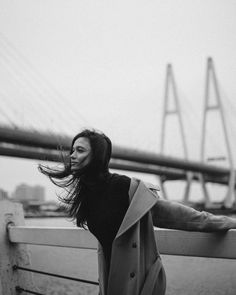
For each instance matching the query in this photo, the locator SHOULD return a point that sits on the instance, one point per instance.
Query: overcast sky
(65, 65)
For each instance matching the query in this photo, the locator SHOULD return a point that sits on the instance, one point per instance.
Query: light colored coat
(136, 267)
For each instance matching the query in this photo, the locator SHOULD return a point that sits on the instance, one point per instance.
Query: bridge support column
(230, 198)
(12, 254)
(217, 106)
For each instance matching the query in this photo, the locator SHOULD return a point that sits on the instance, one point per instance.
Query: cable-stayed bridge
(40, 135)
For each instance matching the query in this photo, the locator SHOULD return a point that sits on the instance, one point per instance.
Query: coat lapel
(143, 200)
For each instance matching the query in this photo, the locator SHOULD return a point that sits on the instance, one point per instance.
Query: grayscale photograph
(118, 147)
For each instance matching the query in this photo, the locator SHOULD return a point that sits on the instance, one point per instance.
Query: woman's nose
(72, 155)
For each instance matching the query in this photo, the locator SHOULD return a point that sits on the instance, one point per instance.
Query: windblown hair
(76, 184)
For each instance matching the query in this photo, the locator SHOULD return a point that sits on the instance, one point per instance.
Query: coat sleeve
(173, 215)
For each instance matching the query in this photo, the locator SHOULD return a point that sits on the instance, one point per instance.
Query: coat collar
(143, 199)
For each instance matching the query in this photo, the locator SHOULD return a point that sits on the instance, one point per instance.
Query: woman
(121, 212)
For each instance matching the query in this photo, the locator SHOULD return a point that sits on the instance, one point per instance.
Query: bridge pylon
(168, 111)
(217, 106)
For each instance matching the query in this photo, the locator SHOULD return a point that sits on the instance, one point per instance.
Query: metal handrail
(16, 267)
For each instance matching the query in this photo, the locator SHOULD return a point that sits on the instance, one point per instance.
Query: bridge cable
(5, 114)
(16, 81)
(36, 73)
(193, 118)
(20, 81)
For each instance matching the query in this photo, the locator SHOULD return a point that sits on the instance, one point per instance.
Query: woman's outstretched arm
(173, 215)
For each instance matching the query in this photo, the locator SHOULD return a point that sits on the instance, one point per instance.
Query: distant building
(38, 193)
(3, 195)
(25, 193)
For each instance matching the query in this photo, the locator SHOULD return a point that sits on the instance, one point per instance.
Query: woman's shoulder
(120, 179)
(153, 187)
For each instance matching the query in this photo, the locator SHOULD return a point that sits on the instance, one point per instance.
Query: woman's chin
(74, 170)
(78, 171)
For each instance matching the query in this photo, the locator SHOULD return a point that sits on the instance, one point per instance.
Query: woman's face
(81, 154)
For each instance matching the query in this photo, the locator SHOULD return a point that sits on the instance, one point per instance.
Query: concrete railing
(14, 236)
(170, 242)
(12, 253)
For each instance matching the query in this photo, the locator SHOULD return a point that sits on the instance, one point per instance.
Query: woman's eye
(80, 150)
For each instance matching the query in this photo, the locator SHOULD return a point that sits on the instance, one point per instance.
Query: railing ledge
(170, 242)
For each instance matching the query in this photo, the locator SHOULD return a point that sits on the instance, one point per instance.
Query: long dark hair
(78, 185)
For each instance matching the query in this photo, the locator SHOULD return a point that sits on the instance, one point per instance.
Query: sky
(66, 65)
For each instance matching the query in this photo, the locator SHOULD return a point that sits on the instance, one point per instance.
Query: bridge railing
(14, 236)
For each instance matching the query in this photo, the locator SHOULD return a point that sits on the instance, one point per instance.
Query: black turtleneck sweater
(106, 209)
